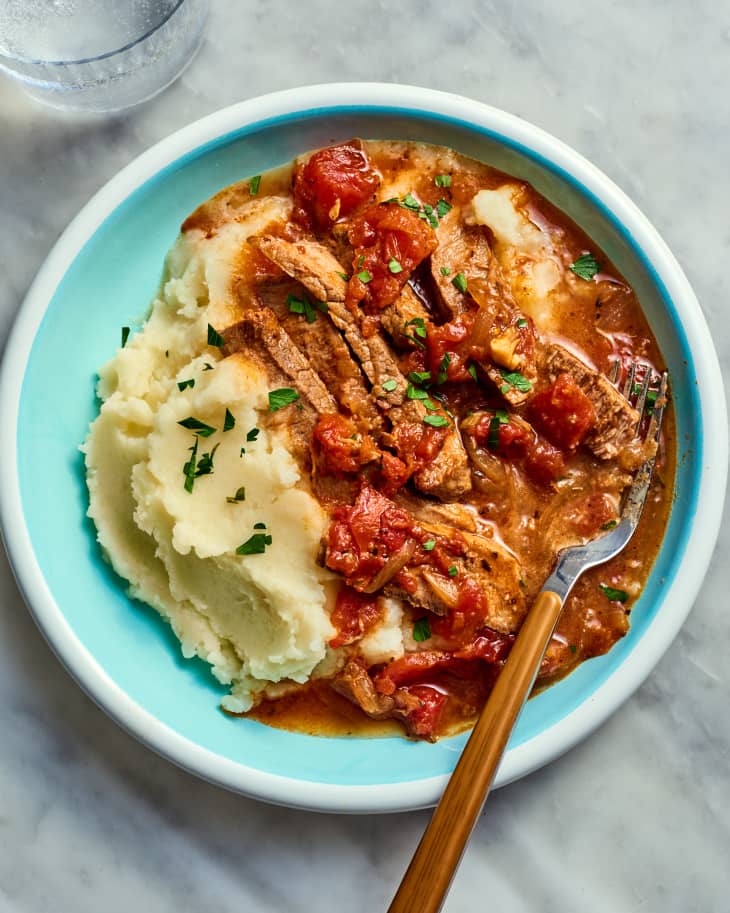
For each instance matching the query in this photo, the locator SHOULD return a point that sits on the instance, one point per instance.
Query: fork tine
(629, 382)
(613, 376)
(641, 400)
(655, 422)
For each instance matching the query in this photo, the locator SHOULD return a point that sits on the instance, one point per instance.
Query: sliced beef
(261, 331)
(488, 565)
(309, 263)
(461, 249)
(397, 318)
(616, 419)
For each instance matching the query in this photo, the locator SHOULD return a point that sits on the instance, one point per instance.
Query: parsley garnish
(516, 380)
(416, 392)
(301, 306)
(421, 630)
(125, 336)
(364, 276)
(360, 261)
(445, 270)
(182, 384)
(214, 337)
(253, 434)
(429, 545)
(259, 526)
(612, 593)
(442, 208)
(586, 266)
(253, 185)
(459, 282)
(419, 377)
(282, 397)
(410, 202)
(344, 277)
(394, 266)
(414, 340)
(610, 525)
(472, 371)
(189, 467)
(195, 425)
(442, 375)
(436, 421)
(522, 322)
(207, 366)
(242, 453)
(419, 326)
(240, 495)
(442, 180)
(572, 648)
(229, 421)
(256, 545)
(453, 570)
(389, 385)
(205, 463)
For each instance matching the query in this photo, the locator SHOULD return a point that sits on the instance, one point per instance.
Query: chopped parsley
(445, 270)
(419, 327)
(442, 180)
(253, 434)
(415, 341)
(431, 405)
(522, 322)
(259, 525)
(429, 545)
(410, 202)
(394, 266)
(205, 463)
(516, 380)
(182, 384)
(195, 425)
(612, 593)
(585, 267)
(322, 306)
(301, 306)
(442, 208)
(389, 385)
(459, 282)
(254, 184)
(453, 570)
(189, 467)
(284, 396)
(612, 524)
(500, 417)
(419, 377)
(207, 366)
(125, 336)
(414, 392)
(214, 337)
(240, 495)
(360, 260)
(421, 630)
(572, 648)
(443, 371)
(229, 421)
(256, 545)
(472, 371)
(436, 421)
(344, 277)
(242, 453)
(364, 276)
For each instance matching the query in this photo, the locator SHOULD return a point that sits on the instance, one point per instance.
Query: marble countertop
(634, 819)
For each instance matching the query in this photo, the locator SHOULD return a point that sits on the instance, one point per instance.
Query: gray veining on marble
(635, 820)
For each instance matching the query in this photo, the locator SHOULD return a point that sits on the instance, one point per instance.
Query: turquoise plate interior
(109, 285)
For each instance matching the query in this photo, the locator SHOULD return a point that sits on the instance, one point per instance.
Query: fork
(428, 877)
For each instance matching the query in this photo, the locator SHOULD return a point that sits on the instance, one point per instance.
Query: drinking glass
(98, 55)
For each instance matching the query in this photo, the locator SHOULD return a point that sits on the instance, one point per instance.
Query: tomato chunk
(389, 243)
(513, 440)
(332, 184)
(422, 720)
(340, 447)
(363, 538)
(353, 616)
(563, 413)
(449, 351)
(544, 463)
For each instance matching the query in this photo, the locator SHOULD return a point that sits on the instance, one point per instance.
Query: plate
(102, 273)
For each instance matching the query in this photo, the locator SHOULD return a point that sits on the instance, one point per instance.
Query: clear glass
(98, 55)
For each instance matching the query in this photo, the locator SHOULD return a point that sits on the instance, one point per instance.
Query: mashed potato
(256, 618)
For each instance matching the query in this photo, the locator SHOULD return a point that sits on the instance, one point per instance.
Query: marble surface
(636, 818)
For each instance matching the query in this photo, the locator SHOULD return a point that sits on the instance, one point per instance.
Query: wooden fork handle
(428, 877)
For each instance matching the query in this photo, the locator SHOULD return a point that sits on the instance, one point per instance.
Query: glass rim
(105, 56)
